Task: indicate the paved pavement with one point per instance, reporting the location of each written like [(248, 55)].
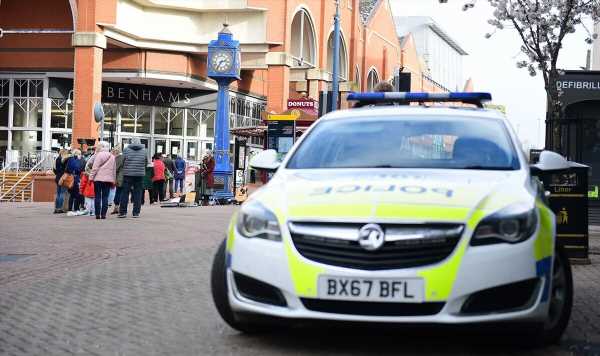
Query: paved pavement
[(76, 285)]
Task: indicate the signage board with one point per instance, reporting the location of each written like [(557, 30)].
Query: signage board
[(309, 106), (134, 94), (569, 201), (576, 86), (282, 117), (280, 135)]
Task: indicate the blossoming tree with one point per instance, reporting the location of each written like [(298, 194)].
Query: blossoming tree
[(542, 26)]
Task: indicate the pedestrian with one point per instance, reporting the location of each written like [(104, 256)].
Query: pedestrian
[(179, 174), (170, 165), (147, 183), (59, 170), (86, 188), (208, 166), (158, 178), (119, 158), (135, 160), (74, 164), (104, 176)]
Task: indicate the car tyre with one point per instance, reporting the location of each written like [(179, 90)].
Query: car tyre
[(219, 289), (561, 302)]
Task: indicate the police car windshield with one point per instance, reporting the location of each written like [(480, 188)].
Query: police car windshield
[(456, 143)]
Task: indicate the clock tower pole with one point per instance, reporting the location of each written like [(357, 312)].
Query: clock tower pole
[(224, 67)]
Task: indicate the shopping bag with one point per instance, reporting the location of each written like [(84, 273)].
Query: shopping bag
[(66, 180)]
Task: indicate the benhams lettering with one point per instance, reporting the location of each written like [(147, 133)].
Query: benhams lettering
[(570, 84), (147, 96), (408, 189)]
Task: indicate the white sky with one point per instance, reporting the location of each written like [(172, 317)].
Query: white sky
[(491, 62)]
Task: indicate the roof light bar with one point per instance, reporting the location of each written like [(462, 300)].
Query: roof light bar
[(407, 97)]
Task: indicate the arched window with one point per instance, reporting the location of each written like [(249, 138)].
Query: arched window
[(343, 56), (303, 39), (357, 77), (372, 79)]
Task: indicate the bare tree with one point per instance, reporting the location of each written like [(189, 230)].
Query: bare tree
[(542, 26)]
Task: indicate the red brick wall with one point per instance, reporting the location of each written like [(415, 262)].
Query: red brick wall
[(16, 14)]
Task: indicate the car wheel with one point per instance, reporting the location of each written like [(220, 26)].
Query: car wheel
[(218, 282), (560, 299)]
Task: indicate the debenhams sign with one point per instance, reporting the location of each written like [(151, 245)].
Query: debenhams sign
[(148, 95)]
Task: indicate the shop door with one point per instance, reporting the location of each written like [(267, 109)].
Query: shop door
[(192, 151), (160, 146), (175, 147)]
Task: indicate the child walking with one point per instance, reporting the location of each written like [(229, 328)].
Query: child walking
[(87, 190)]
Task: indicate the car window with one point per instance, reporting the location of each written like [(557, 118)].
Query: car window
[(457, 143)]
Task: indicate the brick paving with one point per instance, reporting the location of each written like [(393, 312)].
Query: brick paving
[(141, 287)]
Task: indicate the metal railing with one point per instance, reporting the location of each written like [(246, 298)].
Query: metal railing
[(239, 121), (45, 160)]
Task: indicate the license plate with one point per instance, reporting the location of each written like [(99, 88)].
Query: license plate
[(407, 290)]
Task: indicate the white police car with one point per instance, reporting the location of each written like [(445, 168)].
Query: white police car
[(398, 214)]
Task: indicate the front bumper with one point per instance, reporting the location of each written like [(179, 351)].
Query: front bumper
[(478, 268)]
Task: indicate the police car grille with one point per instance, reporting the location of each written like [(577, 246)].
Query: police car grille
[(392, 255)]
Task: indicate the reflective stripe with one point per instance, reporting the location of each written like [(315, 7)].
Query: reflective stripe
[(439, 280), (382, 210), (331, 211), (304, 275), (421, 211), (543, 268), (231, 234), (543, 245)]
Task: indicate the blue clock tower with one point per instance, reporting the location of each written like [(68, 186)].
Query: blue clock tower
[(224, 67)]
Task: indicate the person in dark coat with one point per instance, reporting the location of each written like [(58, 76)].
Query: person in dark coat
[(208, 166), (179, 175), (74, 167), (135, 160), (119, 158), (170, 166), (59, 170)]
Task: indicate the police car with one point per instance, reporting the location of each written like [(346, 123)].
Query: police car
[(397, 213)]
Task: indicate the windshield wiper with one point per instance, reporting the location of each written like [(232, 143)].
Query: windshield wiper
[(489, 168)]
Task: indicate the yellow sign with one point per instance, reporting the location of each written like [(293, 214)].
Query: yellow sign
[(284, 117)]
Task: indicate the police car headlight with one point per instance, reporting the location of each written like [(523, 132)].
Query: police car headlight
[(256, 221), (512, 224)]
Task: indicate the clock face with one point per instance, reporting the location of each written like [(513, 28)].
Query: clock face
[(222, 61)]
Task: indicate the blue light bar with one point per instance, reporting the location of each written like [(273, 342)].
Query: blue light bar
[(406, 97)]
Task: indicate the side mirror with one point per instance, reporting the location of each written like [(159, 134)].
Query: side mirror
[(266, 160), (550, 161)]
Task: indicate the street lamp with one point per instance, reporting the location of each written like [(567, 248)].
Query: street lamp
[(335, 86)]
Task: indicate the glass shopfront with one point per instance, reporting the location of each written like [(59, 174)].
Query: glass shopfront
[(21, 116), (36, 113), (145, 112)]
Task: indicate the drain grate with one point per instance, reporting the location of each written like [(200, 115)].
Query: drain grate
[(13, 257)]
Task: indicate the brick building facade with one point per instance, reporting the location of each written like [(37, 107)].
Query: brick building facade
[(140, 58)]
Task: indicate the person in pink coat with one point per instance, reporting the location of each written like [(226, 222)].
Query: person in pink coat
[(104, 176)]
